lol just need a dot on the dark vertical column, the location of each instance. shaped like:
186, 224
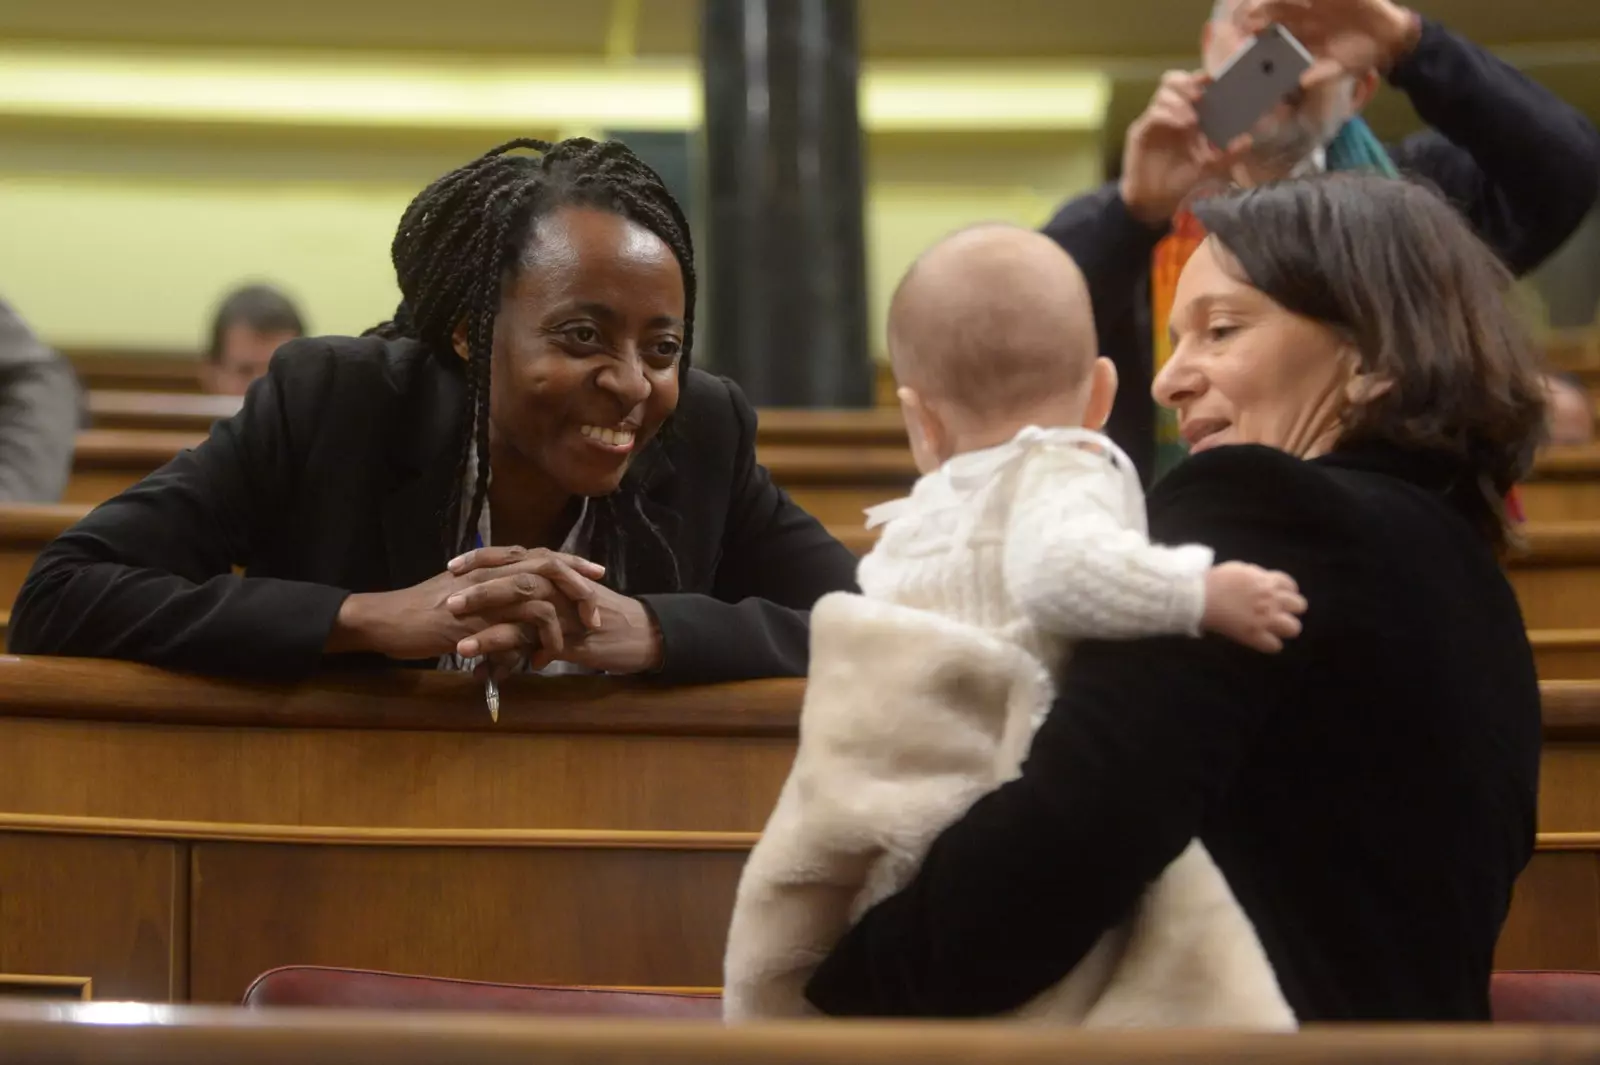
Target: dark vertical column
785, 274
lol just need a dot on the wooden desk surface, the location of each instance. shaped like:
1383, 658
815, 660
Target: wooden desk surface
36, 1034
407, 700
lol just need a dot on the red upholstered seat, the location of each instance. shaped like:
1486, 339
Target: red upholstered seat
1546, 997
312, 985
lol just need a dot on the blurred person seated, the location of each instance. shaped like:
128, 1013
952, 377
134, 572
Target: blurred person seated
249, 326
39, 415
1569, 410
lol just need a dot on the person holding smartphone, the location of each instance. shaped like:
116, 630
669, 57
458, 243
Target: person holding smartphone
1514, 159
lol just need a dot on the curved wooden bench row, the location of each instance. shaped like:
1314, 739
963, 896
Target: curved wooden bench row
194, 413
109, 369
836, 483
835, 463
404, 700
1557, 578
593, 837
35, 1034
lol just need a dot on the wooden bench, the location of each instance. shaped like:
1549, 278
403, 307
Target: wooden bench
837, 462
195, 413
107, 461
1558, 581
1564, 486
835, 483
186, 412
593, 836
112, 369
47, 1034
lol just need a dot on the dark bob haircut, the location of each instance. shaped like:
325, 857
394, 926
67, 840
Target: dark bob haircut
1393, 268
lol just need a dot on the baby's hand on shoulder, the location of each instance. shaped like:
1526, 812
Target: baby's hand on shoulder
1256, 607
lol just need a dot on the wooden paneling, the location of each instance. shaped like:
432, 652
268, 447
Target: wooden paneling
170, 835
136, 371
536, 914
1555, 915
408, 748
477, 779
1566, 654
1569, 787
109, 909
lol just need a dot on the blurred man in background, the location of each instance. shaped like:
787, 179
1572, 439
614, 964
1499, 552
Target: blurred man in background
249, 325
39, 410
1520, 164
1569, 411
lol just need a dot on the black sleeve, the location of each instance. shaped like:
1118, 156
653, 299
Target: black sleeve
148, 575
1143, 739
1522, 165
1110, 246
777, 561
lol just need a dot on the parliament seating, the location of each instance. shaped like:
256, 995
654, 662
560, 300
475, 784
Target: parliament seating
135, 1034
835, 482
106, 461
1544, 997
592, 837
1548, 997
1557, 578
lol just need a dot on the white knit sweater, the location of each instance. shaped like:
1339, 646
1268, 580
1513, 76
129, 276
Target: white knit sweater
1040, 541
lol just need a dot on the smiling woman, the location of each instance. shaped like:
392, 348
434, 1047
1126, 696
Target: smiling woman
1363, 395
520, 470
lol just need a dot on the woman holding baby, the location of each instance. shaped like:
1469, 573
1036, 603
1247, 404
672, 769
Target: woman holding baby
1358, 397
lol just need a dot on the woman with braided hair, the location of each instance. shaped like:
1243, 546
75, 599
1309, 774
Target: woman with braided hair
519, 471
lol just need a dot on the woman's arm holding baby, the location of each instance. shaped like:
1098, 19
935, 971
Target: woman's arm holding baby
1079, 570
1146, 736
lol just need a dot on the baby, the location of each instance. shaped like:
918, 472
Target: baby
1026, 532
1029, 522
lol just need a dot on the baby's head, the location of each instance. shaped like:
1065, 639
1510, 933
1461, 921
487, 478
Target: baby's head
991, 330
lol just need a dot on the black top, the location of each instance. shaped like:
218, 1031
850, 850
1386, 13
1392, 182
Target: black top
332, 479
1522, 167
1369, 793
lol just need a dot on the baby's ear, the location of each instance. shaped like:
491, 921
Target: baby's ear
924, 429
1102, 393
458, 340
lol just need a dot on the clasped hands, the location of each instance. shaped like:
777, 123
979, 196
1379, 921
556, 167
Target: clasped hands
509, 606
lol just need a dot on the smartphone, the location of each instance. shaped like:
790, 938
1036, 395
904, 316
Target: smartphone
1257, 78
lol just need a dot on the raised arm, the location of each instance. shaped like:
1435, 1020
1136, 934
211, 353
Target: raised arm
1518, 161
1143, 740
1077, 568
148, 575
777, 561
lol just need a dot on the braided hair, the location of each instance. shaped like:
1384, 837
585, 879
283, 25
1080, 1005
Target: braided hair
459, 242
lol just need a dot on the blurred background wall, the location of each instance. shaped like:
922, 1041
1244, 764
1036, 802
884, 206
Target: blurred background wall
154, 153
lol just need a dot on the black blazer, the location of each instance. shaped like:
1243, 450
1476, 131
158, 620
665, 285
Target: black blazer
1519, 163
332, 479
1369, 793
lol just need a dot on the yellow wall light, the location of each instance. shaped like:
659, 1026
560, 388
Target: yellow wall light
290, 89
